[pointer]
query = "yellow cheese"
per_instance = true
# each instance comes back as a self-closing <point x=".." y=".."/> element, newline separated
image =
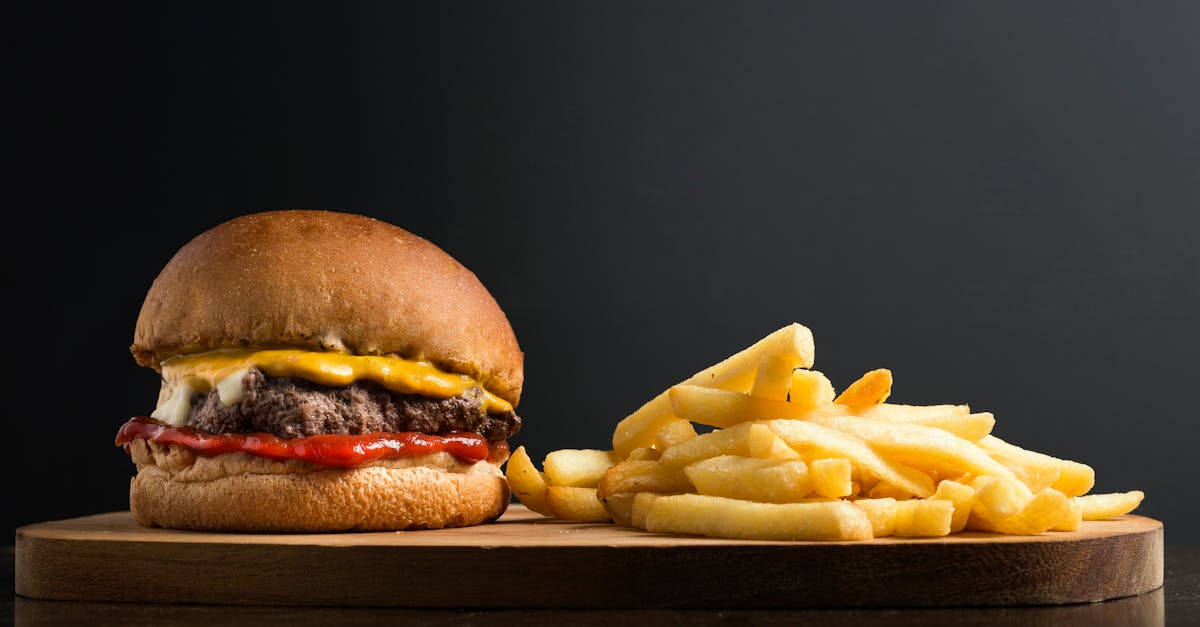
<point x="222" y="369"/>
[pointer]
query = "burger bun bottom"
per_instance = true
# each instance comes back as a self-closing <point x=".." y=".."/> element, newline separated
<point x="370" y="498"/>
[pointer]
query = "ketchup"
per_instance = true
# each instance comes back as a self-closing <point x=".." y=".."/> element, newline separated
<point x="341" y="451"/>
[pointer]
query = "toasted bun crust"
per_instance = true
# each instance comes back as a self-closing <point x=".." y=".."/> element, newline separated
<point x="324" y="280"/>
<point x="370" y="498"/>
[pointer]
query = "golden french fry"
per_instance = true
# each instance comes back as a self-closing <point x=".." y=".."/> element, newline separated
<point x="577" y="504"/>
<point x="1074" y="518"/>
<point x="673" y="432"/>
<point x="773" y="378"/>
<point x="881" y="513"/>
<point x="810" y="388"/>
<point x="923" y="517"/>
<point x="644" y="453"/>
<point x="751" y="479"/>
<point x="970" y="427"/>
<point x="763" y="443"/>
<point x="962" y="496"/>
<point x="910" y="413"/>
<point x="872" y="388"/>
<point x="620" y="508"/>
<point x="885" y="490"/>
<point x="1073" y="478"/>
<point x="793" y="342"/>
<point x="1041" y="513"/>
<point x="830" y="477"/>
<point x="642" y="501"/>
<point x="731" y="441"/>
<point x="643" y="476"/>
<point x="527" y="483"/>
<point x="820" y="441"/>
<point x="1103" y="506"/>
<point x="925" y="448"/>
<point x="996" y="500"/>
<point x="722" y="517"/>
<point x="577" y="468"/>
<point x="722" y="408"/>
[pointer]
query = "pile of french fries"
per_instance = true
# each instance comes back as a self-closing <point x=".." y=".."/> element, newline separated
<point x="788" y="458"/>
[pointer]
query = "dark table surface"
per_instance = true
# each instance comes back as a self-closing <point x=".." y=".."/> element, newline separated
<point x="1176" y="603"/>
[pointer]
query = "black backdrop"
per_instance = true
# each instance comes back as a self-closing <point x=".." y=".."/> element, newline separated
<point x="997" y="201"/>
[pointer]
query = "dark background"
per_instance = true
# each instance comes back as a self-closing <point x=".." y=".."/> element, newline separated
<point x="997" y="201"/>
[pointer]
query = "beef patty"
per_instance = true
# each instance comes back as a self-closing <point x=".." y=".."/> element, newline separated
<point x="292" y="408"/>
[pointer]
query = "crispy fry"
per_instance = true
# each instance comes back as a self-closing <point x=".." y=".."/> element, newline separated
<point x="763" y="443"/>
<point x="577" y="468"/>
<point x="881" y="513"/>
<point x="732" y="518"/>
<point x="751" y="479"/>
<point x="773" y="378"/>
<point x="872" y="388"/>
<point x="810" y="388"/>
<point x="923" y="517"/>
<point x="722" y="408"/>
<point x="926" y="448"/>
<point x="577" y="504"/>
<point x="1074" y="478"/>
<point x="824" y="441"/>
<point x="643" y="476"/>
<point x="527" y="483"/>
<point x="793" y="342"/>
<point x="831" y="477"/>
<point x="1103" y="506"/>
<point x="673" y="432"/>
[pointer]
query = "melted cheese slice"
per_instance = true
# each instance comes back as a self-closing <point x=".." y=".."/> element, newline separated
<point x="187" y="375"/>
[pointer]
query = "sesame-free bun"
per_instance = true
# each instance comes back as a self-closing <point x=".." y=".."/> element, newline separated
<point x="323" y="280"/>
<point x="369" y="498"/>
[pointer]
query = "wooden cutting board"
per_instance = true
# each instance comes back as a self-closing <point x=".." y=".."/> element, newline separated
<point x="526" y="561"/>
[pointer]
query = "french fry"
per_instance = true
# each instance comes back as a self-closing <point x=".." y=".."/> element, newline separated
<point x="732" y="518"/>
<point x="962" y="496"/>
<point x="763" y="443"/>
<point x="644" y="453"/>
<point x="620" y="508"/>
<point x="643" y="476"/>
<point x="731" y="441"/>
<point x="996" y="500"/>
<point x="722" y="408"/>
<point x="1074" y="478"/>
<point x="926" y="448"/>
<point x="823" y="441"/>
<point x="881" y="513"/>
<point x="773" y="378"/>
<point x="923" y="517"/>
<point x="872" y="388"/>
<point x="830" y="477"/>
<point x="1104" y="506"/>
<point x="527" y="483"/>
<point x="576" y="504"/>
<point x="810" y="388"/>
<point x="673" y="432"/>
<point x="970" y="427"/>
<point x="642" y="502"/>
<point x="577" y="468"/>
<point x="1074" y="518"/>
<point x="1041" y="513"/>
<point x="793" y="342"/>
<point x="911" y="413"/>
<point x="751" y="479"/>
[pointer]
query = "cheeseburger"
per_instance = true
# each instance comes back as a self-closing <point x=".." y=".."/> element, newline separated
<point x="321" y="371"/>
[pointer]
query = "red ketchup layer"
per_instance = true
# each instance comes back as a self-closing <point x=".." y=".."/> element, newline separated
<point x="341" y="451"/>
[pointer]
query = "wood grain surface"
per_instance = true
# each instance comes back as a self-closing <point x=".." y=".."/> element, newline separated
<point x="526" y="561"/>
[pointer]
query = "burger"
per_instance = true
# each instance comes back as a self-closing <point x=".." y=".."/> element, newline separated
<point x="321" y="371"/>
